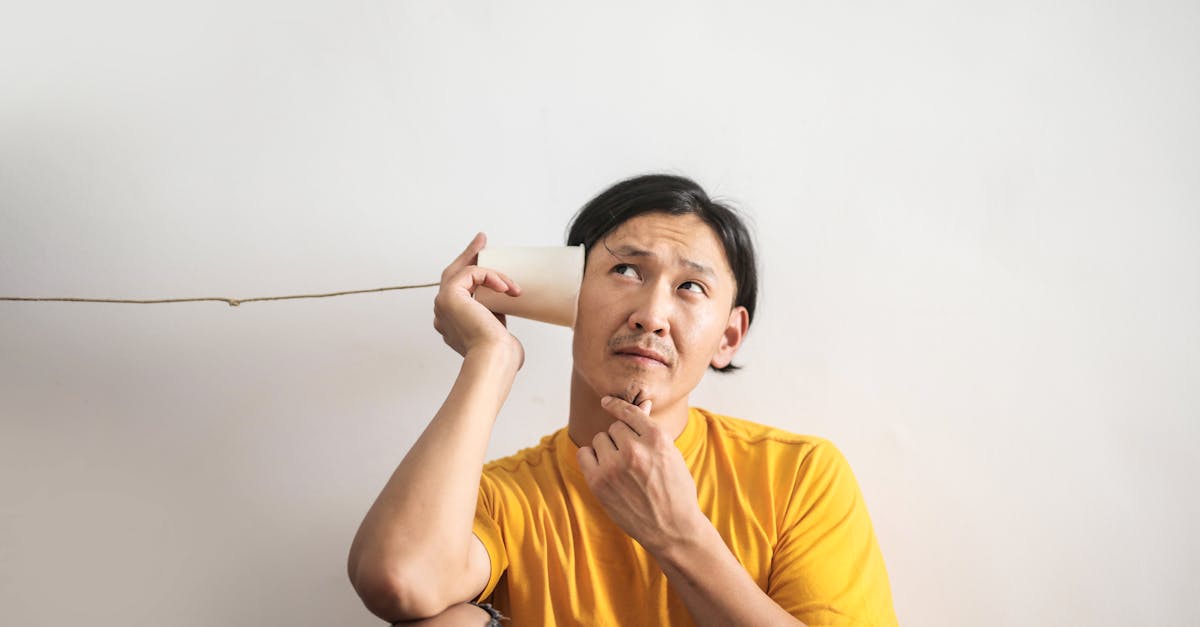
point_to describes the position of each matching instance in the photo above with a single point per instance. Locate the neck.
(588, 418)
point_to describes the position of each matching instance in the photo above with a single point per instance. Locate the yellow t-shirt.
(787, 506)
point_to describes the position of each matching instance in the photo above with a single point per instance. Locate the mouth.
(642, 356)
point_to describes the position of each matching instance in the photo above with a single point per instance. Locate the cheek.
(587, 290)
(588, 299)
(593, 313)
(699, 333)
(595, 305)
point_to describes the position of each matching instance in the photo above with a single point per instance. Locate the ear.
(731, 339)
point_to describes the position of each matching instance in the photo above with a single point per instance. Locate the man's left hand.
(640, 478)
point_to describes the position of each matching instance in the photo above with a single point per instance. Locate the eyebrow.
(628, 250)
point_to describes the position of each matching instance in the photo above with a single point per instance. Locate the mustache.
(640, 340)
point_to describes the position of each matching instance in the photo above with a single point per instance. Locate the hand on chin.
(635, 391)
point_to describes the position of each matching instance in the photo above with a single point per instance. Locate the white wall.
(978, 221)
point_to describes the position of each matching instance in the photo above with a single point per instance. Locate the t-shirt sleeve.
(827, 569)
(487, 528)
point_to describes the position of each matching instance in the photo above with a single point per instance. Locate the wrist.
(695, 537)
(507, 354)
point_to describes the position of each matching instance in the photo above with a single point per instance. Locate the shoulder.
(750, 433)
(784, 451)
(533, 461)
(518, 488)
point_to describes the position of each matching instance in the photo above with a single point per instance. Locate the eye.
(621, 268)
(699, 289)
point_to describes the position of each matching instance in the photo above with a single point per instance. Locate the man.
(643, 510)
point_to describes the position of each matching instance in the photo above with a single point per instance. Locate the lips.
(643, 352)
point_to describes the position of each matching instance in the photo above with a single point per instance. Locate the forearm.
(715, 587)
(421, 521)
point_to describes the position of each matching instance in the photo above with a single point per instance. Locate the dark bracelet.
(494, 613)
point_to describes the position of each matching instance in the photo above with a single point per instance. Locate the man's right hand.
(464, 323)
(414, 554)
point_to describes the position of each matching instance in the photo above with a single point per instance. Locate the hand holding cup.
(464, 323)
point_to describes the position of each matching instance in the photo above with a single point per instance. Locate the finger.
(603, 445)
(468, 256)
(512, 289)
(587, 459)
(482, 277)
(636, 417)
(622, 434)
(473, 277)
(478, 243)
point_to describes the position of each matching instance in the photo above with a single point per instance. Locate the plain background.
(979, 226)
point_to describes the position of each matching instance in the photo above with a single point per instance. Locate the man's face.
(661, 285)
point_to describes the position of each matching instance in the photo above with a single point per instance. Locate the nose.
(651, 314)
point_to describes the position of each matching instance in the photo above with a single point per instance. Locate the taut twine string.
(233, 302)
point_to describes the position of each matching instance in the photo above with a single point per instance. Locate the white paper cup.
(549, 277)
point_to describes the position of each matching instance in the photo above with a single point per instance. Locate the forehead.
(675, 239)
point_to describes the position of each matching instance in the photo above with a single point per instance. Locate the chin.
(635, 391)
(615, 379)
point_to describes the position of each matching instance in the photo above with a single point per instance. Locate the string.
(233, 302)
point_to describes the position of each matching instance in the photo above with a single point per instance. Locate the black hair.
(673, 195)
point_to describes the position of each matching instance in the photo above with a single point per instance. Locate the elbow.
(394, 594)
